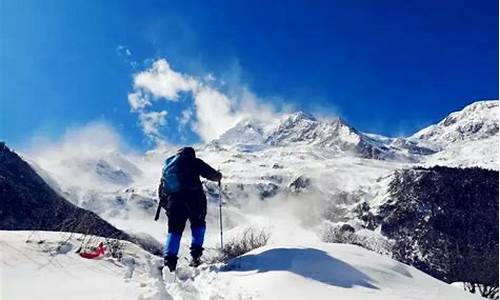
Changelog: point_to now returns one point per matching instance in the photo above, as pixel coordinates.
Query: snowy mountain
(86, 178)
(477, 121)
(303, 129)
(480, 153)
(295, 174)
(110, 170)
(29, 203)
(475, 127)
(261, 159)
(465, 138)
(247, 132)
(335, 135)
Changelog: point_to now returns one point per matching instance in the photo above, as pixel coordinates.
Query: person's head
(187, 151)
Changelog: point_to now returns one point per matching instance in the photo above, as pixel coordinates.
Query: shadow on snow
(307, 262)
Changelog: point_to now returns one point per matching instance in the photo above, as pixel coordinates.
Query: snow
(121, 187)
(246, 132)
(278, 271)
(474, 122)
(482, 154)
(259, 159)
(335, 270)
(40, 270)
(465, 138)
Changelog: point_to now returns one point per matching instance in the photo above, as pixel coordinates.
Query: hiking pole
(220, 216)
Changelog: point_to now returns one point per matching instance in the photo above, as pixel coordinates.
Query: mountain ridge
(475, 122)
(29, 203)
(299, 167)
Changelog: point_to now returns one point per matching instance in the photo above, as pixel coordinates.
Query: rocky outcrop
(444, 221)
(299, 184)
(29, 203)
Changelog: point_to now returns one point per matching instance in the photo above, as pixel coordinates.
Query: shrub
(338, 234)
(251, 238)
(345, 234)
(115, 248)
(489, 292)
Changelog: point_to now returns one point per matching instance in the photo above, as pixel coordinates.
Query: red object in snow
(101, 249)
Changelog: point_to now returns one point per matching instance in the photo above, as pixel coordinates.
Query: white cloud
(214, 114)
(74, 162)
(72, 159)
(138, 101)
(83, 141)
(186, 116)
(161, 81)
(151, 123)
(215, 111)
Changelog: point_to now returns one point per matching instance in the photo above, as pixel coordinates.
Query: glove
(218, 176)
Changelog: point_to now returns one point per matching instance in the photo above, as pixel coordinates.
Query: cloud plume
(77, 157)
(213, 111)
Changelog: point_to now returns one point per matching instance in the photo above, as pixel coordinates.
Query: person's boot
(170, 261)
(196, 253)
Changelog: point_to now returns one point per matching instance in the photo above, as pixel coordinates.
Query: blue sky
(389, 67)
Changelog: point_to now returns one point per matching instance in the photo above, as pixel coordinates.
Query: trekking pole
(220, 216)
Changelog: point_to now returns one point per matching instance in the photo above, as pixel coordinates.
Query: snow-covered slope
(263, 159)
(464, 138)
(109, 170)
(476, 121)
(472, 153)
(332, 271)
(299, 129)
(300, 165)
(474, 127)
(47, 267)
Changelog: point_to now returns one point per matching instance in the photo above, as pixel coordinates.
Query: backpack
(170, 181)
(170, 175)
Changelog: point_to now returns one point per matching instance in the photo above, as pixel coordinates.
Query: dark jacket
(191, 193)
(191, 168)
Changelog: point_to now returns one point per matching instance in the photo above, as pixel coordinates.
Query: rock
(445, 222)
(346, 228)
(300, 183)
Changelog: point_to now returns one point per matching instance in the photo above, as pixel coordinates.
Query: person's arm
(207, 171)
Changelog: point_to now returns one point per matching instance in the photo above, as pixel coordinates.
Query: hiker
(182, 196)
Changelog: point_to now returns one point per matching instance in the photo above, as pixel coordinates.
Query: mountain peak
(248, 131)
(339, 121)
(481, 105)
(301, 115)
(476, 121)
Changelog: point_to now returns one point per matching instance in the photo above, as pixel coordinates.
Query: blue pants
(183, 206)
(173, 241)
